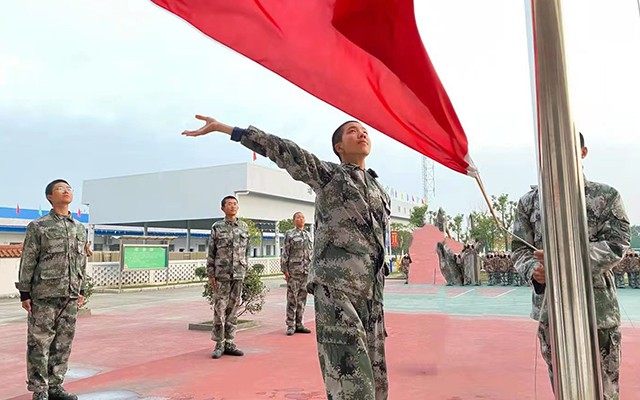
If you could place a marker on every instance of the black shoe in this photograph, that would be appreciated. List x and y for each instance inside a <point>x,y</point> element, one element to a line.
<point>59,393</point>
<point>302,329</point>
<point>291,331</point>
<point>231,350</point>
<point>40,395</point>
<point>217,352</point>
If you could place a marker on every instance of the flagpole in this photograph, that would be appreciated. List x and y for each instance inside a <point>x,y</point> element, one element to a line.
<point>569,291</point>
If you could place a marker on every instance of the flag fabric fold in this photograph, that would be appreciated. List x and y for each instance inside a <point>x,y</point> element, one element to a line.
<point>364,57</point>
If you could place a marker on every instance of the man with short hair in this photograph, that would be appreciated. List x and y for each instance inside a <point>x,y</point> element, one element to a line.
<point>226,267</point>
<point>51,284</point>
<point>609,238</point>
<point>346,277</point>
<point>294,262</point>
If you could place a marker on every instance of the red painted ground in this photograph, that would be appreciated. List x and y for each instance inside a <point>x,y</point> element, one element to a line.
<point>430,356</point>
<point>425,266</point>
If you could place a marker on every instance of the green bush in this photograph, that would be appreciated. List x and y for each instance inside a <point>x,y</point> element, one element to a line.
<point>253,290</point>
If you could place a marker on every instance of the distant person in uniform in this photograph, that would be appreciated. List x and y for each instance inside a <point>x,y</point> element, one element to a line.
<point>52,284</point>
<point>227,264</point>
<point>404,267</point>
<point>294,262</point>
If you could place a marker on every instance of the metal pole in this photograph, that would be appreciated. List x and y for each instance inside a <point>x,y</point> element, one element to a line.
<point>569,291</point>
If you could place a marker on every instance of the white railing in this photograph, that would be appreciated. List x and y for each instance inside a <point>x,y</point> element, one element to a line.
<point>107,274</point>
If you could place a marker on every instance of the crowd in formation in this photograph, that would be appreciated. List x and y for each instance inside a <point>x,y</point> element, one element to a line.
<point>501,269</point>
<point>629,265</point>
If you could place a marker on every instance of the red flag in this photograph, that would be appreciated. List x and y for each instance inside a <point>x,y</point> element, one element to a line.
<point>364,57</point>
<point>17,208</point>
<point>254,156</point>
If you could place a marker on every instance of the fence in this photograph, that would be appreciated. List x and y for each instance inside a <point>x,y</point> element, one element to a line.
<point>107,274</point>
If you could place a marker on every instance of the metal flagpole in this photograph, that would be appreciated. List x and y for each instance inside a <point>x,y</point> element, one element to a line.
<point>574,340</point>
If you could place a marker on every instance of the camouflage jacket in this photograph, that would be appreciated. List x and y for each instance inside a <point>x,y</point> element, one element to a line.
<point>228,250</point>
<point>609,238</point>
<point>296,255</point>
<point>633,265</point>
<point>351,215</point>
<point>54,260</point>
<point>404,265</point>
<point>622,266</point>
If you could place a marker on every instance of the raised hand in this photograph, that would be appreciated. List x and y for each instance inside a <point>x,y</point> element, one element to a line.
<point>210,125</point>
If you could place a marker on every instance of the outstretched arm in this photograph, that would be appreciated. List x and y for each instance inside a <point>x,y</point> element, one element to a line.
<point>299,163</point>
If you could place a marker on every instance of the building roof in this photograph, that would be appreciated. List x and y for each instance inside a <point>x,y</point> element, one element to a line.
<point>10,250</point>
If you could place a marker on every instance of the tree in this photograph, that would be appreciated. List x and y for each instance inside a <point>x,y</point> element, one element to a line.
<point>405,238</point>
<point>285,225</point>
<point>417,215</point>
<point>635,236</point>
<point>506,213</point>
<point>255,234</point>
<point>456,227</point>
<point>253,290</point>
<point>484,229</point>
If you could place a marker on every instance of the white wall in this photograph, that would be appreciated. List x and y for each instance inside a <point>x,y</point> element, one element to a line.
<point>162,196</point>
<point>8,276</point>
<point>11,237</point>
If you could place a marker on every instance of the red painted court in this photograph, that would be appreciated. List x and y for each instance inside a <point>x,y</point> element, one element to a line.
<point>141,348</point>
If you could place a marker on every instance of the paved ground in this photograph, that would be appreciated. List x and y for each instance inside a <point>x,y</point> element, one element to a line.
<point>444,343</point>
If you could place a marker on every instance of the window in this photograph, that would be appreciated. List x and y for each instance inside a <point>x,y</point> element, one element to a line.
<point>201,247</point>
<point>172,247</point>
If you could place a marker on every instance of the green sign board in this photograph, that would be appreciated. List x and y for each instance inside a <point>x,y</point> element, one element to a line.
<point>138,256</point>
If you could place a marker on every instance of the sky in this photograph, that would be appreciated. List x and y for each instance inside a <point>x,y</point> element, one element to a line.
<point>94,89</point>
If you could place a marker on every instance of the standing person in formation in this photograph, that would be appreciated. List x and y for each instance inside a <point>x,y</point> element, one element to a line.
<point>227,264</point>
<point>346,278</point>
<point>294,263</point>
<point>51,284</point>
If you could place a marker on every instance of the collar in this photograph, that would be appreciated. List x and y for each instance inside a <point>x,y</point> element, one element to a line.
<point>59,217</point>
<point>229,222</point>
<point>354,166</point>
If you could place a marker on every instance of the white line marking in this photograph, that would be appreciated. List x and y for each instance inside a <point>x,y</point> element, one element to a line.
<point>502,294</point>
<point>463,293</point>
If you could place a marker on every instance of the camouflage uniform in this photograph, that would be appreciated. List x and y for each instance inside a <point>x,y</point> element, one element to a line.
<point>633,270</point>
<point>227,263</point>
<point>295,261</point>
<point>489,267</point>
<point>52,272</point>
<point>449,264</point>
<point>609,237</point>
<point>470,265</point>
<point>504,269</point>
<point>404,267</point>
<point>620,269</point>
<point>347,272</point>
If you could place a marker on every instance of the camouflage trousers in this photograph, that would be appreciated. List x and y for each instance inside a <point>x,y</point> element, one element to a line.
<point>634,279</point>
<point>610,351</point>
<point>225,310</point>
<point>619,279</point>
<point>296,299</point>
<point>50,332</point>
<point>351,335</point>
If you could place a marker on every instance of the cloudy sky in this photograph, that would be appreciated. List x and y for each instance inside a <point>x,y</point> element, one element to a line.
<point>92,89</point>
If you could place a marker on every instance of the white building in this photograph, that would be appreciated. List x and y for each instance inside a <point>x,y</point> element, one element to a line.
<point>184,204</point>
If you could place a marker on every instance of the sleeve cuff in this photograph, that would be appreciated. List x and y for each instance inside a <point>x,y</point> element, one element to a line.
<point>238,133</point>
<point>82,293</point>
<point>25,296</point>
<point>538,287</point>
